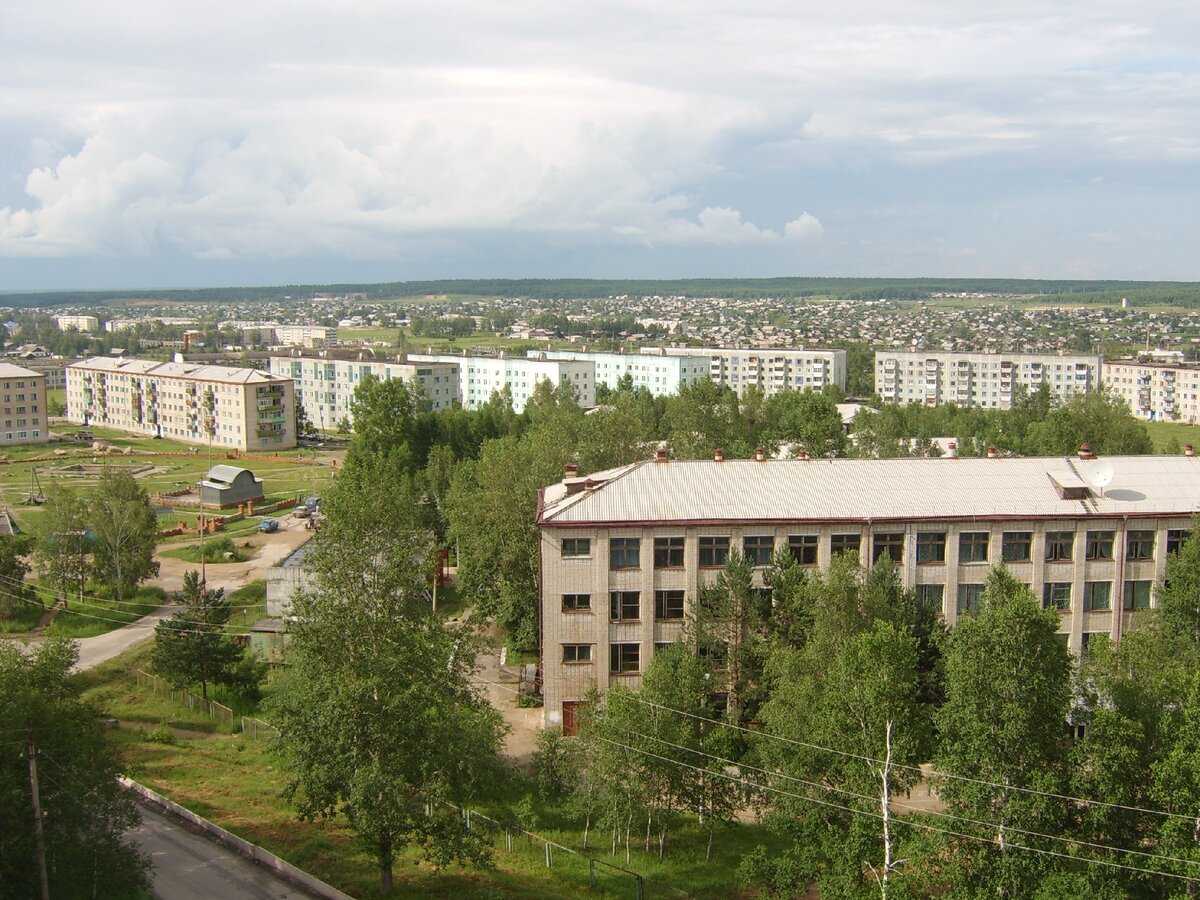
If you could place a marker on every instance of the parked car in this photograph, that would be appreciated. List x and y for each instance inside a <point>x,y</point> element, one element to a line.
<point>312,503</point>
<point>268,525</point>
<point>302,512</point>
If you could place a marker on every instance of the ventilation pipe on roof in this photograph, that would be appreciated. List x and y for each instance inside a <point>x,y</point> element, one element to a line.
<point>1085,451</point>
<point>952,450</point>
<point>992,452</point>
<point>589,485</point>
<point>801,454</point>
<point>660,455</point>
<point>759,454</point>
<point>1189,451</point>
<point>570,470</point>
<point>718,455</point>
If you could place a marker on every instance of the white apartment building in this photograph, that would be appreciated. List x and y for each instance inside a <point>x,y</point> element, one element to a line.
<point>24,407</point>
<point>624,553</point>
<point>772,369</point>
<point>242,409</point>
<point>481,376</point>
<point>274,334</point>
<point>326,386</point>
<point>659,373</point>
<point>1155,391</point>
<point>79,323</point>
<point>986,380</point>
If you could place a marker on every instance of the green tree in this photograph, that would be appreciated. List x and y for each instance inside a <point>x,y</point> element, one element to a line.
<point>806,420</point>
<point>126,530</point>
<point>1099,418</point>
<point>1176,786</point>
<point>390,419</point>
<point>85,812</point>
<point>304,424</point>
<point>1178,594</point>
<point>14,593</point>
<point>64,546</point>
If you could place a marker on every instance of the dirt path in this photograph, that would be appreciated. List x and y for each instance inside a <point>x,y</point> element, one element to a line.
<point>524,722</point>
<point>270,549</point>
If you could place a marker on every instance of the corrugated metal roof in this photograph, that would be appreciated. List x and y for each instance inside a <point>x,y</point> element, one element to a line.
<point>197,371</point>
<point>873,489</point>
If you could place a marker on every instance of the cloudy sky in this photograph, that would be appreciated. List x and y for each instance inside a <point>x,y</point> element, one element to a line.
<point>256,142</point>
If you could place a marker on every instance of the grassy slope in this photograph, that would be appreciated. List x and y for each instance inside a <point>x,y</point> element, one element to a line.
<point>1162,432</point>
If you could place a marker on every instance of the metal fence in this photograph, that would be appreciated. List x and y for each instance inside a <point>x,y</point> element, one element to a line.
<point>257,729</point>
<point>215,711</point>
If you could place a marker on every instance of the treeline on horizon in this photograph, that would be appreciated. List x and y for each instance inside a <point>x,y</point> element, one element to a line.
<point>1139,293</point>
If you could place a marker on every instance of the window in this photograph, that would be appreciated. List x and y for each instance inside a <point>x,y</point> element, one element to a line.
<point>931,596</point>
<point>1097,595</point>
<point>891,545</point>
<point>1176,538</point>
<point>1057,595</point>
<point>970,598</point>
<point>668,604</point>
<point>1059,546</point>
<point>577,602</point>
<point>714,551</point>
<point>804,548</point>
<point>1099,545</point>
<point>973,547</point>
<point>931,547</point>
<point>623,553</point>
<point>668,553</point>
<point>758,549</point>
<point>845,543</point>
<point>716,654</point>
<point>660,646</point>
<point>1137,595</point>
<point>1140,545</point>
<point>624,606</point>
<point>576,547</point>
<point>624,659</point>
<point>577,653</point>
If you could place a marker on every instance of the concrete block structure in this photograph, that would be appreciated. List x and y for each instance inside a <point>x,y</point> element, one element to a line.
<point>986,380</point>
<point>481,376</point>
<point>242,409</point>
<point>624,553</point>
<point>79,323</point>
<point>23,410</point>
<point>226,486</point>
<point>772,369</point>
<point>1156,392</point>
<point>660,373</point>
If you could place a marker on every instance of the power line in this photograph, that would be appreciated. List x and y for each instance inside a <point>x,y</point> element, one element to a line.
<point>165,622</point>
<point>17,583</point>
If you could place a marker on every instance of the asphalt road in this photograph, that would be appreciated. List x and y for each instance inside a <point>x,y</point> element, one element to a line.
<point>192,867</point>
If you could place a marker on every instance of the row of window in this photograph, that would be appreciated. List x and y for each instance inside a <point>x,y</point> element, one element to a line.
<point>973,547</point>
<point>626,606</point>
<point>1097,596</point>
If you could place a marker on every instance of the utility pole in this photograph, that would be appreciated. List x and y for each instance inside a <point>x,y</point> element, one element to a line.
<point>39,840</point>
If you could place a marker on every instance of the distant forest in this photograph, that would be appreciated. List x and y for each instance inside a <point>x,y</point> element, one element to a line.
<point>1139,293</point>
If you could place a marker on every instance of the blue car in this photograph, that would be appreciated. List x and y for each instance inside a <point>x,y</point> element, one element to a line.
<point>268,525</point>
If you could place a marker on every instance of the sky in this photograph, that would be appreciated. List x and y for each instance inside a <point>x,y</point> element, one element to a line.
<point>174,144</point>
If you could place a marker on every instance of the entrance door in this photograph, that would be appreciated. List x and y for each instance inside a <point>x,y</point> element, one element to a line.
<point>569,725</point>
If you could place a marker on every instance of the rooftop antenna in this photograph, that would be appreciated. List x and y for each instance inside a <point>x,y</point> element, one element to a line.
<point>1100,474</point>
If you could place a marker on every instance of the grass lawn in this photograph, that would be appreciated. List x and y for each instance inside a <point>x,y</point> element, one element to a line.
<point>95,616</point>
<point>23,617</point>
<point>1161,434</point>
<point>220,549</point>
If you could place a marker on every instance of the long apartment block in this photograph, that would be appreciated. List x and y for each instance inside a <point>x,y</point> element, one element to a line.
<point>774,370</point>
<point>660,373</point>
<point>24,408</point>
<point>325,384</point>
<point>1156,392</point>
<point>243,409</point>
<point>986,380</point>
<point>481,376</point>
<point>624,553</point>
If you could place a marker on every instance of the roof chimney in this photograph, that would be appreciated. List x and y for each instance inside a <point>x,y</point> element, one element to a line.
<point>660,455</point>
<point>718,455</point>
<point>801,453</point>
<point>759,454</point>
<point>1189,450</point>
<point>589,485</point>
<point>570,470</point>
<point>1085,451</point>
<point>952,450</point>
<point>992,453</point>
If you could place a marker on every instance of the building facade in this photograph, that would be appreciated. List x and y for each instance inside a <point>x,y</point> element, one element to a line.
<point>243,409</point>
<point>79,323</point>
<point>659,373</point>
<point>773,370</point>
<point>326,385</point>
<point>1156,392</point>
<point>625,553</point>
<point>481,376</point>
<point>24,408</point>
<point>986,380</point>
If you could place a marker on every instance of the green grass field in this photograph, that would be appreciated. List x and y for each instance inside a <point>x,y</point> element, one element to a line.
<point>1162,433</point>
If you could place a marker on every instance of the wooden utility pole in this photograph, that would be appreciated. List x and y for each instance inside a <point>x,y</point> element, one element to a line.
<point>38,838</point>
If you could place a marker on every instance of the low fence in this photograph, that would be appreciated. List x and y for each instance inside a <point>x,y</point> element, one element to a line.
<point>257,729</point>
<point>215,710</point>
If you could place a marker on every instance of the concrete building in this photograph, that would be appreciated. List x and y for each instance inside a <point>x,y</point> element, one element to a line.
<point>79,323</point>
<point>24,408</point>
<point>481,376</point>
<point>772,369</point>
<point>227,486</point>
<point>624,553</point>
<point>242,409</point>
<point>273,334</point>
<point>659,373</point>
<point>987,380</point>
<point>1156,391</point>
<point>326,385</point>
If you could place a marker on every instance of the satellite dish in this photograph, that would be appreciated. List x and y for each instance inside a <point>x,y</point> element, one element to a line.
<point>1100,474</point>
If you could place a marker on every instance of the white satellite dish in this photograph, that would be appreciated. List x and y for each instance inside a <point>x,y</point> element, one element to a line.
<point>1100,474</point>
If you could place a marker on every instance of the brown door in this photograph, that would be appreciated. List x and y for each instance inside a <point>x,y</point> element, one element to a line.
<point>570,726</point>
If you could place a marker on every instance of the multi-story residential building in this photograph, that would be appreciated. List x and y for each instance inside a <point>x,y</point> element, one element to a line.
<point>1156,391</point>
<point>244,409</point>
<point>625,553</point>
<point>325,385</point>
<point>122,324</point>
<point>24,408</point>
<point>79,323</point>
<point>773,369</point>
<point>481,376</point>
<point>988,380</point>
<point>273,334</point>
<point>659,373</point>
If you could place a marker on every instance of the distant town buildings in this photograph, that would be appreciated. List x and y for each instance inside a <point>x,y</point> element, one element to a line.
<point>481,376</point>
<point>273,334</point>
<point>625,553</point>
<point>325,384</point>
<point>172,321</point>
<point>774,370</point>
<point>656,371</point>
<point>24,406</point>
<point>987,380</point>
<point>243,409</point>
<point>79,323</point>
